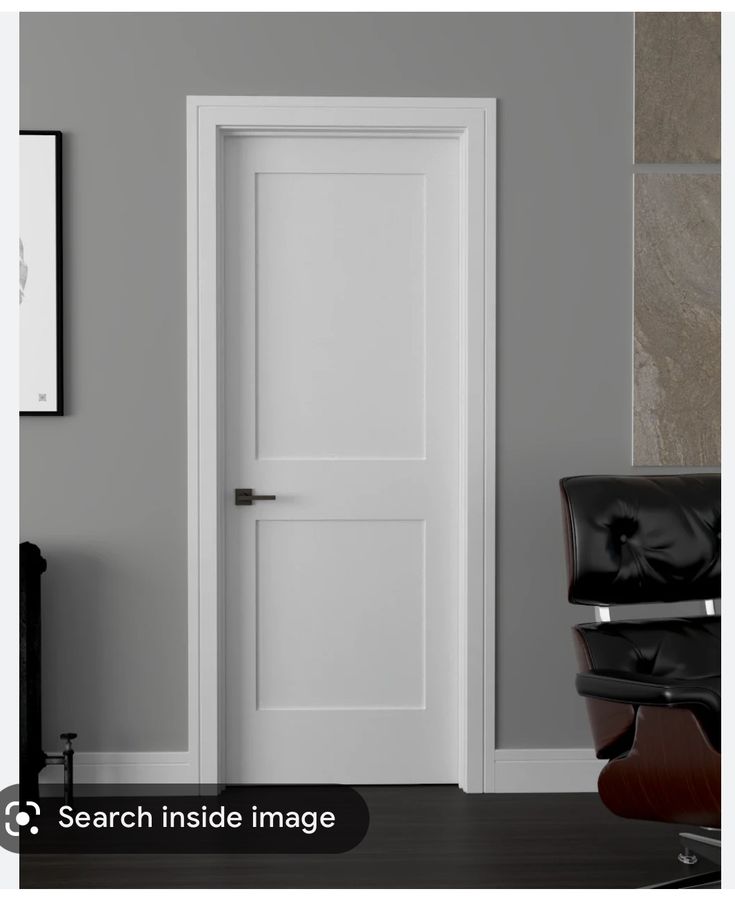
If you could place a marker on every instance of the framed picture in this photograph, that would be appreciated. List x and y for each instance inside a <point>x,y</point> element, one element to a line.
<point>41,371</point>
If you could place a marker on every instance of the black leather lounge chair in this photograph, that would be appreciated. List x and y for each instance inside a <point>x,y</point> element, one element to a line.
<point>652,686</point>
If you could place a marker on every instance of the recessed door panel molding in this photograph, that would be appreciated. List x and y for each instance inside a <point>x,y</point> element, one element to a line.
<point>341,360</point>
<point>340,625</point>
<point>340,312</point>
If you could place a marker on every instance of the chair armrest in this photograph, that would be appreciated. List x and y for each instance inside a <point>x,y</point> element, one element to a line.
<point>649,690</point>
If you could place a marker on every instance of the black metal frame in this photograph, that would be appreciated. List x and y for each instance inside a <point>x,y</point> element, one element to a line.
<point>59,412</point>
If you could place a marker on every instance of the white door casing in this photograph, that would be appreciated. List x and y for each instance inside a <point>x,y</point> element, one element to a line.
<point>286,145</point>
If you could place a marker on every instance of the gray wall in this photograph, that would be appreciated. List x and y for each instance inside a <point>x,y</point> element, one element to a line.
<point>104,489</point>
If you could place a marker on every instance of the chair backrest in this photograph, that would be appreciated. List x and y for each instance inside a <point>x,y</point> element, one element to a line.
<point>642,538</point>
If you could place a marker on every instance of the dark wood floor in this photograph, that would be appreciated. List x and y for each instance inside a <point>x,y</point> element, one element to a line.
<point>426,836</point>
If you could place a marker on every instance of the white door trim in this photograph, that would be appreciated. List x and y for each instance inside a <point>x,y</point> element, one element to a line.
<point>473,122</point>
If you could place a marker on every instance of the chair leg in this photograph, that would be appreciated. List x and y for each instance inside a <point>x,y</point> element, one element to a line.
<point>706,846</point>
<point>687,857</point>
<point>695,846</point>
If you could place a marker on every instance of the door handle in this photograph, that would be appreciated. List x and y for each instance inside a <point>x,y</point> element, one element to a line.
<point>244,497</point>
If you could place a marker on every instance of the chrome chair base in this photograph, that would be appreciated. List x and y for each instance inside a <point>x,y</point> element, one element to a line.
<point>694,846</point>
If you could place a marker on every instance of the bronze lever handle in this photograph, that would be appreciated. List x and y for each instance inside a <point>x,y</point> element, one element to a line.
<point>244,497</point>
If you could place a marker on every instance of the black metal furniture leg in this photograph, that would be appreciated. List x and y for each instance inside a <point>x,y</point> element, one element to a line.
<point>695,845</point>
<point>68,754</point>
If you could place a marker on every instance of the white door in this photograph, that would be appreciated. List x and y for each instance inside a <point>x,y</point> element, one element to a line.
<point>341,397</point>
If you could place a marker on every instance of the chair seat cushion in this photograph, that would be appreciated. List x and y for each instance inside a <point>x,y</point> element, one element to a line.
<point>673,662</point>
<point>671,648</point>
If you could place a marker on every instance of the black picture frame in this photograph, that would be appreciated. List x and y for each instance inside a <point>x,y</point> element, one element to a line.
<point>58,409</point>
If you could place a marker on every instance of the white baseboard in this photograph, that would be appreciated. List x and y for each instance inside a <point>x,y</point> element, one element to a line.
<point>539,771</point>
<point>517,771</point>
<point>126,768</point>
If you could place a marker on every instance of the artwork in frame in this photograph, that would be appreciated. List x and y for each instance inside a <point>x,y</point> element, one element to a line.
<point>40,293</point>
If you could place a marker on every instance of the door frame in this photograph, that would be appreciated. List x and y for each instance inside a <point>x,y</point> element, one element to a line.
<point>473,123</point>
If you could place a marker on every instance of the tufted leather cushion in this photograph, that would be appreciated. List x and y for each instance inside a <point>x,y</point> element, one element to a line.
<point>677,648</point>
<point>682,651</point>
<point>639,539</point>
